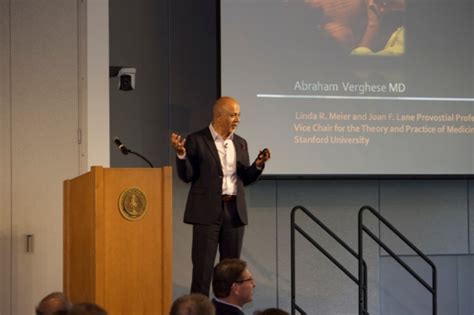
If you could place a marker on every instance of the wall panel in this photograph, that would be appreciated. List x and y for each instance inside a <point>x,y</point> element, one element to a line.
<point>5,159</point>
<point>433,214</point>
<point>321,287</point>
<point>140,118</point>
<point>44,76</point>
<point>260,244</point>
<point>465,282</point>
<point>471,216</point>
<point>402,294</point>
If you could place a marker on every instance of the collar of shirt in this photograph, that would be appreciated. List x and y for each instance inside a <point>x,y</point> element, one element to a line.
<point>224,302</point>
<point>216,136</point>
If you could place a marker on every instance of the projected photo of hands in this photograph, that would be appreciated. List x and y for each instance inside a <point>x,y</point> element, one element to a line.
<point>363,27</point>
<point>351,87</point>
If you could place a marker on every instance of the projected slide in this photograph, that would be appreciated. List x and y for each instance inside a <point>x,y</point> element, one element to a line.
<point>353,87</point>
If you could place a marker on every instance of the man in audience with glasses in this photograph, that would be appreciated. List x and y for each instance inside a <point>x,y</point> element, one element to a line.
<point>233,286</point>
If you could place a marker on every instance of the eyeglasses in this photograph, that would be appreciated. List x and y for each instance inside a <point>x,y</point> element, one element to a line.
<point>244,280</point>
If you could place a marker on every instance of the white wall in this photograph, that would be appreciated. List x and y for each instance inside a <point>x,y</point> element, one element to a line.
<point>5,159</point>
<point>44,123</point>
<point>44,100</point>
<point>94,83</point>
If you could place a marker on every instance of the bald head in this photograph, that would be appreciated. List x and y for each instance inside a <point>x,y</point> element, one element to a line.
<point>226,116</point>
<point>223,104</point>
<point>53,304</point>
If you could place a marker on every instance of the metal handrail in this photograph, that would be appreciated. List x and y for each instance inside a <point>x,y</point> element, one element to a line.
<point>362,228</point>
<point>361,284</point>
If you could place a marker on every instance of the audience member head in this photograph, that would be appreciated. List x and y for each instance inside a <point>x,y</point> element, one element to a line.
<point>232,282</point>
<point>87,309</point>
<point>55,303</point>
<point>271,311</point>
<point>192,304</point>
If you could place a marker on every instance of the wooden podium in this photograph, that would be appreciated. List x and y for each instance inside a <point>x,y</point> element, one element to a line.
<point>112,256</point>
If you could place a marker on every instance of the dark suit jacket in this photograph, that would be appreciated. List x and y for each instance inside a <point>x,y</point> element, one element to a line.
<point>224,309</point>
<point>202,167</point>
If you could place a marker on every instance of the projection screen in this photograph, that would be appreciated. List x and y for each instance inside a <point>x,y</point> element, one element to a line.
<point>353,87</point>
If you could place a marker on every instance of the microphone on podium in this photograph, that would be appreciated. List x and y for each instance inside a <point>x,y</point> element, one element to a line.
<point>121,146</point>
<point>126,151</point>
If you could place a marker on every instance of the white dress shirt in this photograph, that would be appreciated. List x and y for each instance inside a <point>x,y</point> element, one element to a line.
<point>228,158</point>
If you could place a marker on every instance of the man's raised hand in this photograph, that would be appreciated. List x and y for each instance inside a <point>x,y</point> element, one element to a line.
<point>178,143</point>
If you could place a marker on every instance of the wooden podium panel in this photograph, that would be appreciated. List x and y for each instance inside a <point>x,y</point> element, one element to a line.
<point>121,264</point>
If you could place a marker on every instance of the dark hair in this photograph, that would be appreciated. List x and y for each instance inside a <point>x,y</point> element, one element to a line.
<point>271,311</point>
<point>226,273</point>
<point>192,304</point>
<point>87,309</point>
<point>53,313</point>
<point>55,303</point>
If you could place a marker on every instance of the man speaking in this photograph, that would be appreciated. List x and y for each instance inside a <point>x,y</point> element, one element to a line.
<point>216,162</point>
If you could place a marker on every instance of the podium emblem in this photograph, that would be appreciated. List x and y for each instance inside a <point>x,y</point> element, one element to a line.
<point>132,204</point>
